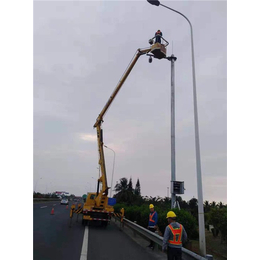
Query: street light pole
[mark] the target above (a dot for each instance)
(112, 169)
(197, 144)
(173, 157)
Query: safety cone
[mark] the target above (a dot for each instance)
(67, 207)
(52, 211)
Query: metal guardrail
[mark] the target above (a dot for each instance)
(158, 240)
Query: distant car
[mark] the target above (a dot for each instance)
(64, 202)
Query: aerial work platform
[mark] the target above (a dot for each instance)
(158, 49)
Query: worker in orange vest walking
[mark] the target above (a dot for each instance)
(152, 225)
(174, 236)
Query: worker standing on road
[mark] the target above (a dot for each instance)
(174, 236)
(153, 219)
(158, 36)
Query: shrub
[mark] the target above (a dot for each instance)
(218, 218)
(140, 214)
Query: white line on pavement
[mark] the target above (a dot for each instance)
(43, 207)
(84, 250)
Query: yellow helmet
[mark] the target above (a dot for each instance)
(151, 206)
(171, 214)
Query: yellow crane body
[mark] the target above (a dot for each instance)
(96, 206)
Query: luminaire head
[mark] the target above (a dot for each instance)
(154, 2)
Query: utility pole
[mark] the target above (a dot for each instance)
(172, 59)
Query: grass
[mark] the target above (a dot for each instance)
(213, 246)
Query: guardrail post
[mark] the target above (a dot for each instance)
(134, 230)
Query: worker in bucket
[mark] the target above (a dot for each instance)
(152, 225)
(158, 36)
(174, 236)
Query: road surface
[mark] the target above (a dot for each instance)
(54, 240)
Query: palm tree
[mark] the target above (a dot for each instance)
(213, 204)
(122, 185)
(206, 206)
(220, 205)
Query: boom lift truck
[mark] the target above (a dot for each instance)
(96, 207)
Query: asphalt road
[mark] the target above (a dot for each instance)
(117, 245)
(54, 240)
(52, 236)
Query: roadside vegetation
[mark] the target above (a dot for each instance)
(137, 209)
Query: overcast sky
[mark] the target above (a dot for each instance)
(81, 50)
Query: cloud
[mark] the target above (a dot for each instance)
(53, 109)
(88, 137)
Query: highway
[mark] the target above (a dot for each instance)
(53, 239)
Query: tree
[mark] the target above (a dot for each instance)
(124, 191)
(130, 185)
(193, 203)
(121, 186)
(193, 207)
(206, 206)
(220, 205)
(218, 218)
(213, 204)
(137, 190)
(183, 203)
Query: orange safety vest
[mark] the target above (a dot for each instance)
(177, 234)
(151, 217)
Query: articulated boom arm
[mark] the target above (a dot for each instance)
(103, 177)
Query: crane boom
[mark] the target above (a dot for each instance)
(99, 120)
(97, 206)
(120, 83)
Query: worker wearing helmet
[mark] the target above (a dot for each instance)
(158, 36)
(174, 236)
(153, 218)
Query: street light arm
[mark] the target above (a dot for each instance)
(178, 13)
(157, 3)
(110, 149)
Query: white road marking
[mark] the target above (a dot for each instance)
(43, 207)
(84, 250)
